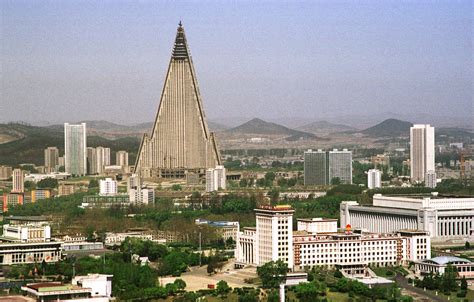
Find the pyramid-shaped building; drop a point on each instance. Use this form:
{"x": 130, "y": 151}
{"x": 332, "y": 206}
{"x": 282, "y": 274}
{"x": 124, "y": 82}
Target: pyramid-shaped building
{"x": 180, "y": 141}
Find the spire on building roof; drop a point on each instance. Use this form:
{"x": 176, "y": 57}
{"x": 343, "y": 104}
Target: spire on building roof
{"x": 180, "y": 49}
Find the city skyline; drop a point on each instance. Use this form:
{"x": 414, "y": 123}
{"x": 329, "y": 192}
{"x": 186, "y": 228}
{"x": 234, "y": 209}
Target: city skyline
{"x": 377, "y": 58}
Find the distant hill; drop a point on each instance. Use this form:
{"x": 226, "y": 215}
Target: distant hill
{"x": 389, "y": 128}
{"x": 257, "y": 126}
{"x": 325, "y": 127}
{"x": 30, "y": 142}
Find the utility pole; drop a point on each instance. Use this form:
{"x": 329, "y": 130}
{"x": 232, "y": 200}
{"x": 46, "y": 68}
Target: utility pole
{"x": 200, "y": 252}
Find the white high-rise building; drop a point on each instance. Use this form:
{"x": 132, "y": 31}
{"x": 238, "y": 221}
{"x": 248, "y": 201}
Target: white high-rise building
{"x": 340, "y": 165}
{"x": 108, "y": 187}
{"x": 18, "y": 181}
{"x": 422, "y": 151}
{"x": 374, "y": 179}
{"x": 121, "y": 159}
{"x": 75, "y": 145}
{"x": 51, "y": 159}
{"x": 215, "y": 179}
{"x": 274, "y": 234}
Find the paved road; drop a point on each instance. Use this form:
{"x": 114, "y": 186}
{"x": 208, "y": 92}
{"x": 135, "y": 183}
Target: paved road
{"x": 403, "y": 283}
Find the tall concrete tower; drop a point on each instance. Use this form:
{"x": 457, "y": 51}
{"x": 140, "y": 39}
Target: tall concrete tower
{"x": 180, "y": 141}
{"x": 422, "y": 152}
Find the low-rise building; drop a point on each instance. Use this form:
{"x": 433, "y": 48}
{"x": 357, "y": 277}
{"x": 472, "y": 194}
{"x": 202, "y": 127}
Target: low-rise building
{"x": 98, "y": 201}
{"x": 442, "y": 217}
{"x": 39, "y": 194}
{"x": 5, "y": 172}
{"x": 226, "y": 229}
{"x": 12, "y": 199}
{"x": 107, "y": 187}
{"x": 66, "y": 189}
{"x": 438, "y": 265}
{"x": 100, "y": 285}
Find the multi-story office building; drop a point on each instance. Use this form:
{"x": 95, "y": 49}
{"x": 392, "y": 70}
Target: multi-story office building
{"x": 18, "y": 178}
{"x": 441, "y": 218}
{"x": 323, "y": 167}
{"x": 91, "y": 161}
{"x": 374, "y": 179}
{"x": 75, "y": 146}
{"x": 274, "y": 234}
{"x": 5, "y": 172}
{"x": 215, "y": 179}
{"x": 422, "y": 151}
{"x": 340, "y": 166}
{"x": 380, "y": 160}
{"x": 51, "y": 159}
{"x": 317, "y": 242}
{"x": 107, "y": 187}
{"x": 121, "y": 159}
{"x": 315, "y": 167}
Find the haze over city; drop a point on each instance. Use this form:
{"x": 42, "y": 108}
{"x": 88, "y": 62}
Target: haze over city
{"x": 90, "y": 60}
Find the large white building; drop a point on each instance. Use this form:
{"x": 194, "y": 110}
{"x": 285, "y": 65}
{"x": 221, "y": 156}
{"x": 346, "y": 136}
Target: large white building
{"x": 274, "y": 234}
{"x": 317, "y": 242}
{"x": 442, "y": 218}
{"x": 75, "y": 146}
{"x": 422, "y": 151}
{"x": 138, "y": 193}
{"x": 107, "y": 187}
{"x": 215, "y": 179}
{"x": 374, "y": 179}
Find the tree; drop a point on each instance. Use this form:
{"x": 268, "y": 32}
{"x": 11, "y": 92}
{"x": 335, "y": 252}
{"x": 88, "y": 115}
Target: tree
{"x": 93, "y": 183}
{"x": 448, "y": 280}
{"x": 335, "y": 181}
{"x": 467, "y": 245}
{"x": 463, "y": 283}
{"x": 29, "y": 185}
{"x": 49, "y": 183}
{"x": 273, "y": 273}
{"x": 248, "y": 297}
{"x": 309, "y": 291}
{"x": 222, "y": 288}
{"x": 180, "y": 284}
{"x": 176, "y": 187}
{"x": 273, "y": 296}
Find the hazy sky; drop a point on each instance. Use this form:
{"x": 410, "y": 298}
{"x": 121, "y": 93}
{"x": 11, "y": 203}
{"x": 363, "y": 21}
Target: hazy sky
{"x": 82, "y": 60}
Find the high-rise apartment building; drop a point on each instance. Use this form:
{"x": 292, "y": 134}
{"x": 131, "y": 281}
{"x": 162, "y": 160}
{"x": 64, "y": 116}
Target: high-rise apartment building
{"x": 180, "y": 140}
{"x": 91, "y": 161}
{"x": 18, "y": 178}
{"x": 422, "y": 151}
{"x": 215, "y": 179}
{"x": 75, "y": 145}
{"x": 323, "y": 167}
{"x": 274, "y": 234}
{"x": 51, "y": 159}
{"x": 121, "y": 159}
{"x": 103, "y": 158}
{"x": 374, "y": 179}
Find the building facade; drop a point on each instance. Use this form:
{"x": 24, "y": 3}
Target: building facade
{"x": 323, "y": 167}
{"x": 121, "y": 159}
{"x": 374, "y": 179}
{"x": 75, "y": 146}
{"x": 108, "y": 187}
{"x": 441, "y": 218}
{"x": 5, "y": 172}
{"x": 180, "y": 140}
{"x": 51, "y": 159}
{"x": 91, "y": 161}
{"x": 274, "y": 234}
{"x": 215, "y": 179}
{"x": 18, "y": 178}
{"x": 317, "y": 242}
{"x": 422, "y": 151}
